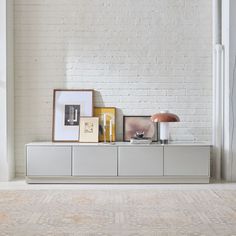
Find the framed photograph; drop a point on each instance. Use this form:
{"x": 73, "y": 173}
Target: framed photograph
{"x": 68, "y": 107}
{"x": 109, "y": 114}
{"x": 89, "y": 129}
{"x": 133, "y": 124}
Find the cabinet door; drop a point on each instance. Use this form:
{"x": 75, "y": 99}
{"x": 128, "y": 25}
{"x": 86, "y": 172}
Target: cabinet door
{"x": 94, "y": 161}
{"x": 186, "y": 161}
{"x": 140, "y": 161}
{"x": 48, "y": 161}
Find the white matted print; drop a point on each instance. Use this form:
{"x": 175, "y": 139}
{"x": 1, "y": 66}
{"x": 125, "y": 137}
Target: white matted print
{"x": 89, "y": 129}
{"x": 69, "y": 105}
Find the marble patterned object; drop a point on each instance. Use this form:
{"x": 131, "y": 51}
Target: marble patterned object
{"x": 116, "y": 213}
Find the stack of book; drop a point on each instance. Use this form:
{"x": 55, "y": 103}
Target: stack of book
{"x": 136, "y": 140}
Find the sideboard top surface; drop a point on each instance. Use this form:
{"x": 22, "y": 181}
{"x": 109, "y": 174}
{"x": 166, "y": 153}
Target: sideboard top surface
{"x": 115, "y": 144}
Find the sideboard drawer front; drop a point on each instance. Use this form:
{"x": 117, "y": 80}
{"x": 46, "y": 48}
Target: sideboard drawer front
{"x": 94, "y": 161}
{"x": 48, "y": 161}
{"x": 187, "y": 161}
{"x": 140, "y": 161}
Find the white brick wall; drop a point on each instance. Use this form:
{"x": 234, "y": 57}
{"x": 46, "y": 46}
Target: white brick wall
{"x": 140, "y": 56}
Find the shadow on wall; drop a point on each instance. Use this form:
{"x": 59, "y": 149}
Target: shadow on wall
{"x": 119, "y": 124}
{"x": 98, "y": 99}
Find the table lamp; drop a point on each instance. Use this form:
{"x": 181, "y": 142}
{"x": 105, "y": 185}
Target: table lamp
{"x": 164, "y": 117}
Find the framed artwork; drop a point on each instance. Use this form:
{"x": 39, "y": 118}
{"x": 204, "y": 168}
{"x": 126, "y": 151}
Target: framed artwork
{"x": 89, "y": 129}
{"x": 133, "y": 124}
{"x": 68, "y": 107}
{"x": 107, "y": 115}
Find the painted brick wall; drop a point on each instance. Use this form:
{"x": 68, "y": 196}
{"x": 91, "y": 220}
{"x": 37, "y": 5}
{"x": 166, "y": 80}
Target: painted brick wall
{"x": 140, "y": 56}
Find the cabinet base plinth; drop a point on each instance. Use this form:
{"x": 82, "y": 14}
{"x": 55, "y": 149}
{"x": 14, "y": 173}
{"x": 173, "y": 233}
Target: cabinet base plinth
{"x": 118, "y": 180}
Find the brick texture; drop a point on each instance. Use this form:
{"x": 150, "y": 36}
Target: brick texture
{"x": 139, "y": 56}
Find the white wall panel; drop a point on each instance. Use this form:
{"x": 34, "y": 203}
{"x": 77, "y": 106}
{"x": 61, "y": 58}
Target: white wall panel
{"x": 7, "y": 168}
{"x": 229, "y": 43}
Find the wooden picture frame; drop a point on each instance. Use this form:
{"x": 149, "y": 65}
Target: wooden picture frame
{"x": 68, "y": 106}
{"x": 110, "y": 115}
{"x": 89, "y": 129}
{"x": 131, "y": 124}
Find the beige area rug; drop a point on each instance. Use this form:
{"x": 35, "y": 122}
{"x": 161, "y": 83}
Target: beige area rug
{"x": 117, "y": 212}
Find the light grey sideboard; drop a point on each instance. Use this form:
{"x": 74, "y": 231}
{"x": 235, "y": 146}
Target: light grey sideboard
{"x": 120, "y": 162}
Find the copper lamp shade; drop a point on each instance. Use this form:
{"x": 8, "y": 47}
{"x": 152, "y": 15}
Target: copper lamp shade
{"x": 165, "y": 117}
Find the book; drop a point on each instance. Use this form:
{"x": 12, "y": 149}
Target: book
{"x": 135, "y": 140}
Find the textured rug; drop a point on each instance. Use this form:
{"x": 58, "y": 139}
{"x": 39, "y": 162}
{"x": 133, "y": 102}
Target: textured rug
{"x": 117, "y": 212}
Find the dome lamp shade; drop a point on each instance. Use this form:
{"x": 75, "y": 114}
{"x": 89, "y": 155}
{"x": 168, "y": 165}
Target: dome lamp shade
{"x": 164, "y": 118}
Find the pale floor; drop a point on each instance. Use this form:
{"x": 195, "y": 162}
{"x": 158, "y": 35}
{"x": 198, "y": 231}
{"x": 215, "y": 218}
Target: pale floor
{"x": 117, "y": 209}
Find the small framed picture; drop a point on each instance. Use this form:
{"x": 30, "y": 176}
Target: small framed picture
{"x": 107, "y": 115}
{"x": 139, "y": 124}
{"x": 68, "y": 107}
{"x": 89, "y": 129}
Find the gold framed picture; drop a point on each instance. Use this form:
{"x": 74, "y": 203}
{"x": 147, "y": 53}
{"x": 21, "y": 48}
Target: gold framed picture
{"x": 89, "y": 129}
{"x": 107, "y": 116}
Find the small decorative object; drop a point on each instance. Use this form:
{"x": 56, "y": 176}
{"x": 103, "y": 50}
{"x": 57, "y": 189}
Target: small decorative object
{"x": 110, "y": 131}
{"x": 68, "y": 106}
{"x": 107, "y": 123}
{"x": 139, "y": 135}
{"x": 164, "y": 117}
{"x": 139, "y": 127}
{"x": 89, "y": 129}
{"x": 105, "y": 127}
